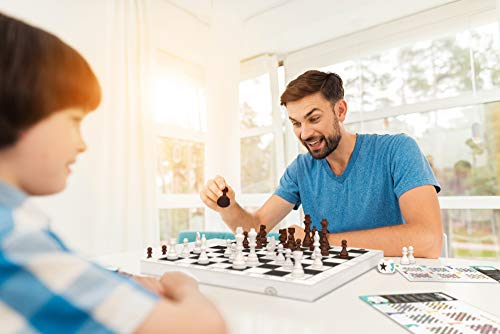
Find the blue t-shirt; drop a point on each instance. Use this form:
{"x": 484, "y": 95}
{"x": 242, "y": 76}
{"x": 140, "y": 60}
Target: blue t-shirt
{"x": 380, "y": 170}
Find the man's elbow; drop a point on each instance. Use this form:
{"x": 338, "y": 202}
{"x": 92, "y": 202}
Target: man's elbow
{"x": 433, "y": 243}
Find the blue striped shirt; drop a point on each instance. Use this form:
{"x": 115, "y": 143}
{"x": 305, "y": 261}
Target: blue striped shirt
{"x": 46, "y": 288}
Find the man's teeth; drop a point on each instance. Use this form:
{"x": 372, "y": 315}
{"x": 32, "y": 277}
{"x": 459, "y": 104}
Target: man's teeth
{"x": 314, "y": 142}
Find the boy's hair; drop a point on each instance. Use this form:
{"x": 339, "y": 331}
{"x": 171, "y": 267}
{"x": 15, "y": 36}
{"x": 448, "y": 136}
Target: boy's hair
{"x": 311, "y": 82}
{"x": 39, "y": 75}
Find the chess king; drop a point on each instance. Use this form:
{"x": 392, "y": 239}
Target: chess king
{"x": 377, "y": 191}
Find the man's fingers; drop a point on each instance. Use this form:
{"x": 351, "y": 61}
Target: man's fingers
{"x": 220, "y": 182}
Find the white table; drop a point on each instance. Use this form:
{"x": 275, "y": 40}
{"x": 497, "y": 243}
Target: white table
{"x": 341, "y": 311}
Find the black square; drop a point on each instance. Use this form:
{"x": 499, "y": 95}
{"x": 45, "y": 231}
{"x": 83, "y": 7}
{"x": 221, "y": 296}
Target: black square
{"x": 277, "y": 273}
{"x": 312, "y": 271}
{"x": 204, "y": 264}
{"x": 348, "y": 258}
{"x": 358, "y": 251}
{"x": 330, "y": 264}
{"x": 269, "y": 266}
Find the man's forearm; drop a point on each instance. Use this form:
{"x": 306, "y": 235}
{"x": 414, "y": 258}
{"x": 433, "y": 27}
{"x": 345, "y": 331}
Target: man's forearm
{"x": 235, "y": 216}
{"x": 427, "y": 242}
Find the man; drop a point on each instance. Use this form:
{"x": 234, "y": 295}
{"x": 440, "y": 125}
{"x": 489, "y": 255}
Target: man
{"x": 375, "y": 191}
{"x": 46, "y": 89}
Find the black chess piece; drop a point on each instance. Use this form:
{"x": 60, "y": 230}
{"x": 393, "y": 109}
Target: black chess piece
{"x": 223, "y": 201}
{"x": 307, "y": 230}
{"x": 163, "y": 249}
{"x": 245, "y": 241}
{"x": 150, "y": 252}
{"x": 343, "y": 253}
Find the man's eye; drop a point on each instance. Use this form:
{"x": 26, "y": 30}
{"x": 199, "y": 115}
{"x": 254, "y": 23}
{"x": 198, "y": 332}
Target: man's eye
{"x": 295, "y": 124}
{"x": 314, "y": 119}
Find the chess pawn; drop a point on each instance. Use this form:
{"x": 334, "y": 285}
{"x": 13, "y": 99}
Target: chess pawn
{"x": 233, "y": 252}
{"x": 297, "y": 271}
{"x": 280, "y": 259}
{"x": 185, "y": 249}
{"x": 404, "y": 258}
{"x": 411, "y": 258}
{"x": 288, "y": 265}
{"x": 271, "y": 246}
{"x": 172, "y": 253}
{"x": 203, "y": 259}
{"x": 227, "y": 252}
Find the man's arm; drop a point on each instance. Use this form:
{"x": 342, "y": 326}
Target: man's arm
{"x": 270, "y": 214}
{"x": 423, "y": 229}
{"x": 184, "y": 310}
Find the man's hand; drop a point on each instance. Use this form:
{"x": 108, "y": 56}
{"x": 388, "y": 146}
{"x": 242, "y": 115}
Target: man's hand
{"x": 213, "y": 190}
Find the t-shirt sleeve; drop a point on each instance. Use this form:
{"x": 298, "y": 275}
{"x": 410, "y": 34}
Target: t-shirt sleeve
{"x": 288, "y": 188}
{"x": 409, "y": 167}
{"x": 56, "y": 291}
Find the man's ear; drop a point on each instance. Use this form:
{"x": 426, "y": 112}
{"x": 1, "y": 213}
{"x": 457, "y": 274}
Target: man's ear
{"x": 340, "y": 109}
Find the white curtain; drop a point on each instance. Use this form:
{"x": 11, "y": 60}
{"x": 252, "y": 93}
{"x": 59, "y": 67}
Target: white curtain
{"x": 127, "y": 201}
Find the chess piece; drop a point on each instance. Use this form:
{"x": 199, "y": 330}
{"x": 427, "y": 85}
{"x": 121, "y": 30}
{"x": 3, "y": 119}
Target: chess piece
{"x": 316, "y": 244}
{"x": 291, "y": 242}
{"x": 271, "y": 247}
{"x": 317, "y": 263}
{"x": 252, "y": 259}
{"x": 324, "y": 245}
{"x": 291, "y": 231}
{"x": 307, "y": 231}
{"x": 411, "y": 258}
{"x": 197, "y": 244}
{"x": 224, "y": 201}
{"x": 343, "y": 253}
{"x": 288, "y": 265}
{"x": 203, "y": 258}
{"x": 297, "y": 271}
{"x": 404, "y": 258}
{"x": 227, "y": 252}
{"x": 239, "y": 259}
{"x": 233, "y": 252}
{"x": 150, "y": 252}
{"x": 172, "y": 253}
{"x": 185, "y": 249}
{"x": 245, "y": 240}
{"x": 313, "y": 231}
{"x": 280, "y": 259}
{"x": 298, "y": 245}
{"x": 163, "y": 249}
{"x": 283, "y": 237}
{"x": 262, "y": 236}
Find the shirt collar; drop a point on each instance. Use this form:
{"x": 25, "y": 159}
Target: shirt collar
{"x": 11, "y": 196}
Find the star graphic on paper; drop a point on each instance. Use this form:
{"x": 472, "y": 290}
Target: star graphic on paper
{"x": 382, "y": 266}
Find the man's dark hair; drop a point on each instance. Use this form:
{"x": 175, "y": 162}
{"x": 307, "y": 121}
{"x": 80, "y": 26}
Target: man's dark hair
{"x": 39, "y": 75}
{"x": 311, "y": 82}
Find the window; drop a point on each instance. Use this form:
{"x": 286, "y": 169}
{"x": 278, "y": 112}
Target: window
{"x": 180, "y": 116}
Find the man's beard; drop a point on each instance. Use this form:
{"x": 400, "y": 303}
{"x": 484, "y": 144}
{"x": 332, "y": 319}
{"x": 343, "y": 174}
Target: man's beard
{"x": 331, "y": 144}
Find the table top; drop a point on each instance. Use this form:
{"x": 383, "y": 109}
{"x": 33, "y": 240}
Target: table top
{"x": 341, "y": 311}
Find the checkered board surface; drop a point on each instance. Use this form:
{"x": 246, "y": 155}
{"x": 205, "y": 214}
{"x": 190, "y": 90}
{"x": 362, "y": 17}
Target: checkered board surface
{"x": 269, "y": 277}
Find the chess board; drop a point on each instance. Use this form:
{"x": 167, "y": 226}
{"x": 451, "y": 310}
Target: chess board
{"x": 268, "y": 277}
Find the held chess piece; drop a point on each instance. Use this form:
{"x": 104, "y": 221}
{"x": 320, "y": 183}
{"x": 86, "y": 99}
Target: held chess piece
{"x": 404, "y": 258}
{"x": 185, "y": 249}
{"x": 280, "y": 259}
{"x": 288, "y": 265}
{"x": 224, "y": 201}
{"x": 252, "y": 259}
{"x": 386, "y": 266}
{"x": 343, "y": 253}
{"x": 197, "y": 244}
{"x": 411, "y": 258}
{"x": 297, "y": 271}
{"x": 239, "y": 259}
{"x": 172, "y": 253}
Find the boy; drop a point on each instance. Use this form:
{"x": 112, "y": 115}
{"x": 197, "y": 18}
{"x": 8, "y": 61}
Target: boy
{"x": 46, "y": 89}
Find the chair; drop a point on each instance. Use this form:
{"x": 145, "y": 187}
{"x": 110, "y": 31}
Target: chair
{"x": 444, "y": 247}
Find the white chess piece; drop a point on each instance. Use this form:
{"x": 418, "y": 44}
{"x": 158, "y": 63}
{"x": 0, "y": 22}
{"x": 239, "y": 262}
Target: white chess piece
{"x": 288, "y": 265}
{"x": 271, "y": 248}
{"x": 239, "y": 259}
{"x": 233, "y": 252}
{"x": 411, "y": 258}
{"x": 252, "y": 259}
{"x": 197, "y": 244}
{"x": 297, "y": 271}
{"x": 172, "y": 253}
{"x": 185, "y": 249}
{"x": 280, "y": 259}
{"x": 227, "y": 252}
{"x": 203, "y": 259}
{"x": 317, "y": 264}
{"x": 404, "y": 258}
